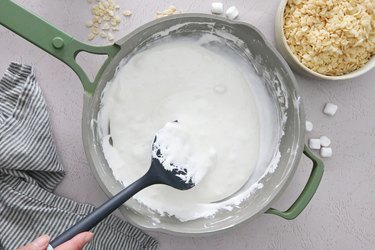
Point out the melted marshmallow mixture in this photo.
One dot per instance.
(208, 92)
(180, 150)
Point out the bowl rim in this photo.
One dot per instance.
(279, 32)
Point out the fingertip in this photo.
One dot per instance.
(77, 242)
(41, 242)
(88, 236)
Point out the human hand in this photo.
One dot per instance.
(76, 243)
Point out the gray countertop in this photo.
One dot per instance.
(342, 213)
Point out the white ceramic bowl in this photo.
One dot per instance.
(293, 61)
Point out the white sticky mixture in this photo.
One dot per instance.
(210, 89)
(177, 148)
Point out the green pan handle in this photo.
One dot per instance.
(53, 41)
(307, 193)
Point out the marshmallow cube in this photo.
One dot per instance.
(326, 152)
(325, 141)
(217, 8)
(314, 143)
(309, 126)
(232, 13)
(330, 109)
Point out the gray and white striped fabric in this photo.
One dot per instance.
(30, 170)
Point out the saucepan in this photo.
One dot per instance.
(66, 48)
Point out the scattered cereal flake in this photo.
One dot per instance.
(105, 26)
(91, 36)
(171, 10)
(95, 30)
(111, 13)
(106, 12)
(89, 1)
(168, 12)
(110, 37)
(89, 24)
(127, 13)
(117, 19)
(95, 19)
(103, 34)
(113, 22)
(105, 4)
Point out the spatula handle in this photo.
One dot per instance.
(104, 210)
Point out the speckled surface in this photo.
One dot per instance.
(340, 216)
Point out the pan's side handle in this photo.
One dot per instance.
(53, 41)
(307, 193)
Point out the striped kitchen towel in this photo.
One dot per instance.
(30, 170)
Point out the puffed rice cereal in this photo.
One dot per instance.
(171, 10)
(331, 37)
(105, 18)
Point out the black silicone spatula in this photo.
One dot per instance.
(157, 174)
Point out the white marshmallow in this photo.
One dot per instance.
(325, 141)
(330, 109)
(217, 8)
(314, 143)
(232, 13)
(326, 152)
(309, 126)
